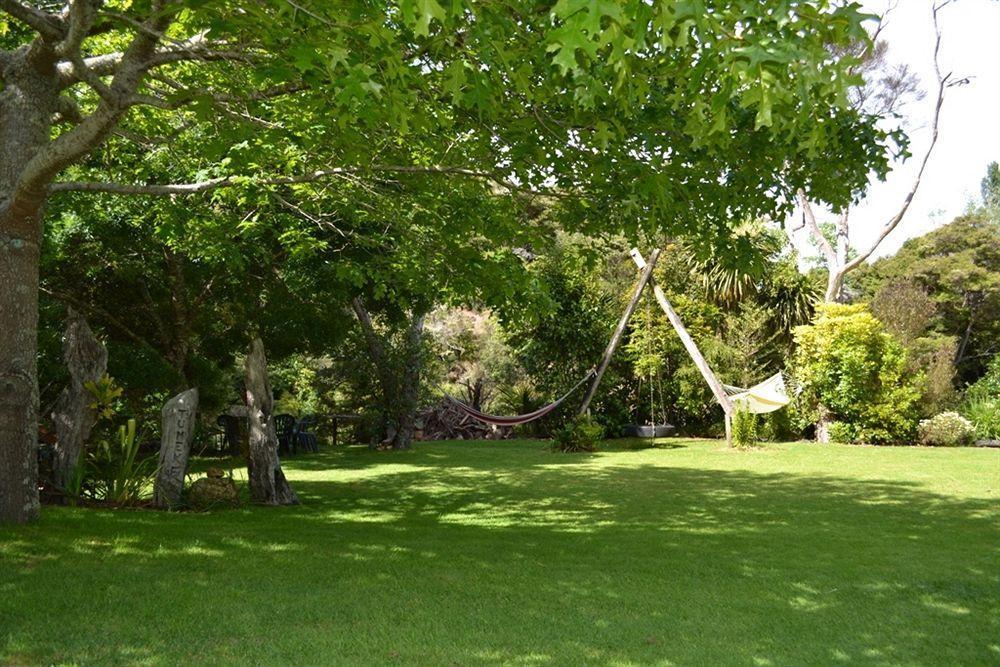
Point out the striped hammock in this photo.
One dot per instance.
(516, 420)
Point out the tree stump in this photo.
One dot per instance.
(268, 485)
(87, 361)
(175, 446)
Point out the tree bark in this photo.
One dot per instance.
(400, 391)
(19, 247)
(28, 100)
(268, 485)
(823, 424)
(87, 361)
(409, 396)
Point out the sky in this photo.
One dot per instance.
(969, 136)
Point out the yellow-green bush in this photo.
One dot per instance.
(847, 364)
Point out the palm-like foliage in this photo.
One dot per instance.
(735, 264)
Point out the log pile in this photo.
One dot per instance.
(444, 421)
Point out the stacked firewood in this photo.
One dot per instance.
(445, 421)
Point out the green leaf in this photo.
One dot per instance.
(427, 10)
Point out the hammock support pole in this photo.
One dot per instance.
(645, 277)
(692, 349)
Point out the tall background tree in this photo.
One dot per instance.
(883, 91)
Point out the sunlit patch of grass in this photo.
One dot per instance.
(505, 553)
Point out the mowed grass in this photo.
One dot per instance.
(466, 553)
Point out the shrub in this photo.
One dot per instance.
(849, 368)
(948, 429)
(119, 474)
(841, 432)
(580, 434)
(778, 426)
(982, 402)
(744, 428)
(984, 414)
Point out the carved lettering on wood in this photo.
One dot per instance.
(175, 446)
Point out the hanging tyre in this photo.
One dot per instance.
(649, 430)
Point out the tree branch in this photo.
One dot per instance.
(106, 316)
(78, 18)
(67, 111)
(192, 49)
(229, 181)
(815, 231)
(48, 26)
(944, 82)
(91, 131)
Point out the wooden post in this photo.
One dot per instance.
(175, 448)
(692, 349)
(616, 337)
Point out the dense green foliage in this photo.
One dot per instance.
(982, 402)
(958, 267)
(578, 434)
(684, 553)
(852, 373)
(744, 429)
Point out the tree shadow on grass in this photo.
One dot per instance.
(448, 558)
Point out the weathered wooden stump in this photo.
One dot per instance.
(87, 361)
(175, 446)
(268, 485)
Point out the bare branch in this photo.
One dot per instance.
(48, 26)
(944, 82)
(186, 93)
(78, 18)
(814, 230)
(298, 210)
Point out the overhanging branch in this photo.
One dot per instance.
(48, 26)
(210, 184)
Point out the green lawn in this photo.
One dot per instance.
(503, 553)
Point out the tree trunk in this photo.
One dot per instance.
(409, 395)
(87, 361)
(28, 100)
(268, 485)
(834, 285)
(960, 351)
(823, 424)
(19, 247)
(400, 391)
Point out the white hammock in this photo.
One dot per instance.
(766, 396)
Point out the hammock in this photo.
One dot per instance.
(766, 396)
(516, 420)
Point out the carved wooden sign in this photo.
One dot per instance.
(175, 446)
